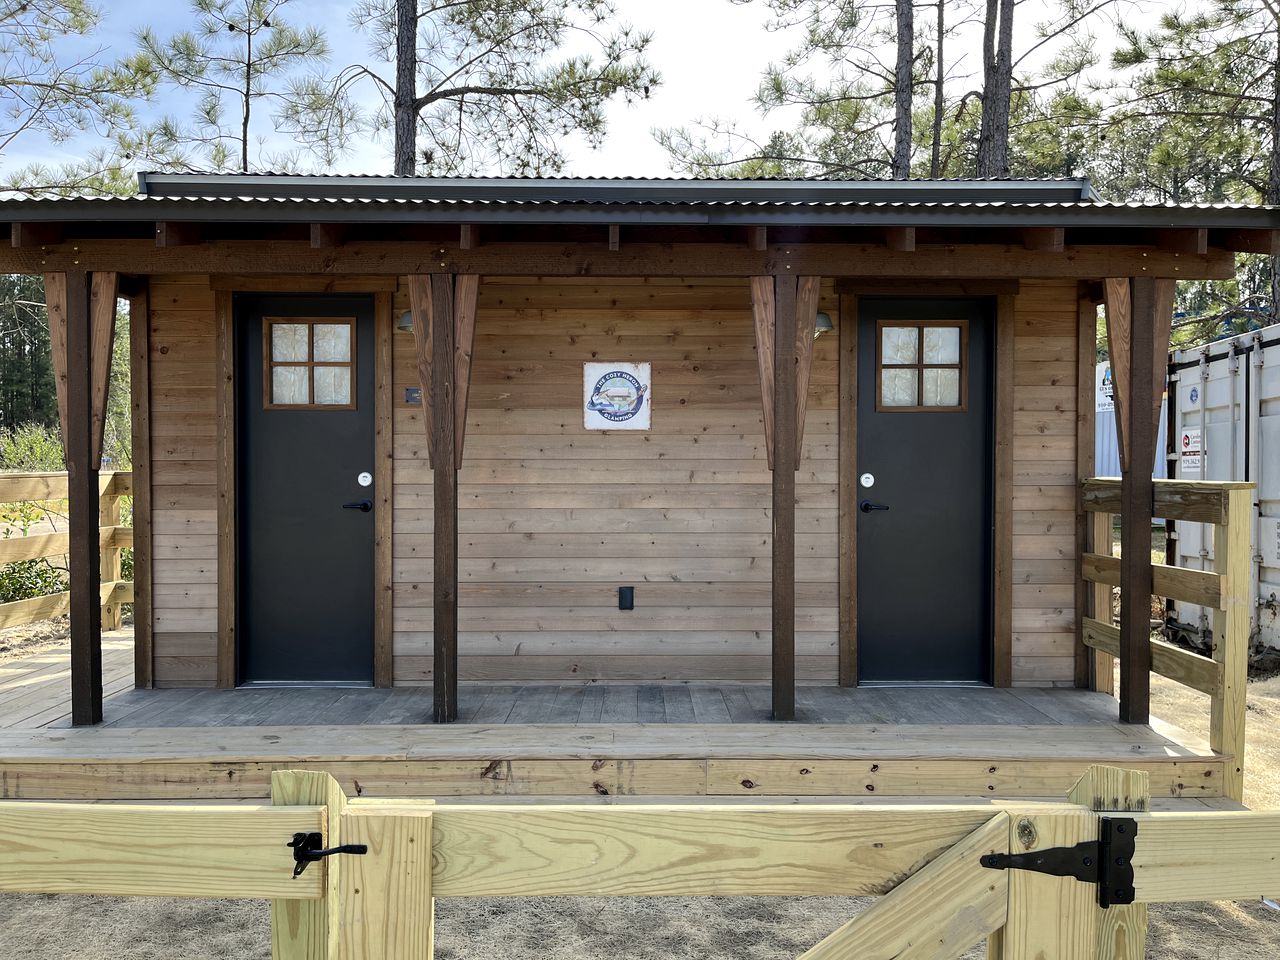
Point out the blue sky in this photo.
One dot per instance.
(710, 53)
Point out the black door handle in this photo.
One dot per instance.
(364, 506)
(866, 506)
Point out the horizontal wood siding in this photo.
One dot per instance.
(184, 494)
(1044, 479)
(554, 518)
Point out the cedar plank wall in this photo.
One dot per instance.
(184, 497)
(1044, 479)
(548, 532)
(553, 518)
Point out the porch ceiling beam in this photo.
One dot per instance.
(1045, 239)
(468, 236)
(1265, 242)
(615, 237)
(901, 239)
(1193, 240)
(326, 236)
(758, 239)
(35, 234)
(172, 233)
(942, 261)
(102, 316)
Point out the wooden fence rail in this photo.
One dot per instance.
(941, 894)
(113, 538)
(1228, 506)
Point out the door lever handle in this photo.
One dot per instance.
(866, 506)
(364, 506)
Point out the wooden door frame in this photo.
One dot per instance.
(383, 451)
(1003, 294)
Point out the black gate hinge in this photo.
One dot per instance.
(1106, 862)
(307, 849)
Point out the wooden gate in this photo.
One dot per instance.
(931, 865)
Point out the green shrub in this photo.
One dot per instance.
(32, 448)
(25, 579)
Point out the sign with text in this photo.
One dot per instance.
(616, 396)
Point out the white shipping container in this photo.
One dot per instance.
(1227, 427)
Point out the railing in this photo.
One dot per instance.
(1228, 507)
(948, 874)
(52, 488)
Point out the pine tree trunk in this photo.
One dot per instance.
(902, 91)
(997, 86)
(935, 161)
(406, 126)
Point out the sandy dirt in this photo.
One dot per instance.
(104, 928)
(33, 639)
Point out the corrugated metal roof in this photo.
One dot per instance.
(264, 198)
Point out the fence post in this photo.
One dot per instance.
(1121, 930)
(385, 907)
(1232, 555)
(1100, 542)
(1050, 918)
(308, 929)
(109, 563)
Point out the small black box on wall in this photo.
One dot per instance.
(626, 598)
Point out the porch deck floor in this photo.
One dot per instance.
(583, 739)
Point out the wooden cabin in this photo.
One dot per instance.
(756, 436)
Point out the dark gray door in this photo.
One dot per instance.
(304, 436)
(925, 521)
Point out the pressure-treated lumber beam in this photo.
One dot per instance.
(165, 850)
(937, 913)
(1121, 930)
(444, 483)
(1191, 240)
(757, 238)
(1265, 242)
(306, 927)
(102, 317)
(55, 298)
(468, 236)
(83, 559)
(628, 850)
(1232, 559)
(1207, 855)
(785, 380)
(386, 910)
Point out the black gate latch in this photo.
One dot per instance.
(306, 849)
(1106, 862)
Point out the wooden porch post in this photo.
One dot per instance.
(82, 494)
(445, 488)
(1139, 314)
(784, 499)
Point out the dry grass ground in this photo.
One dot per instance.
(103, 928)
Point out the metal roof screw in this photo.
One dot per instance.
(76, 262)
(76, 249)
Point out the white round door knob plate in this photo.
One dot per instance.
(365, 479)
(867, 480)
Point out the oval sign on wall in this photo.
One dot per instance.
(616, 396)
